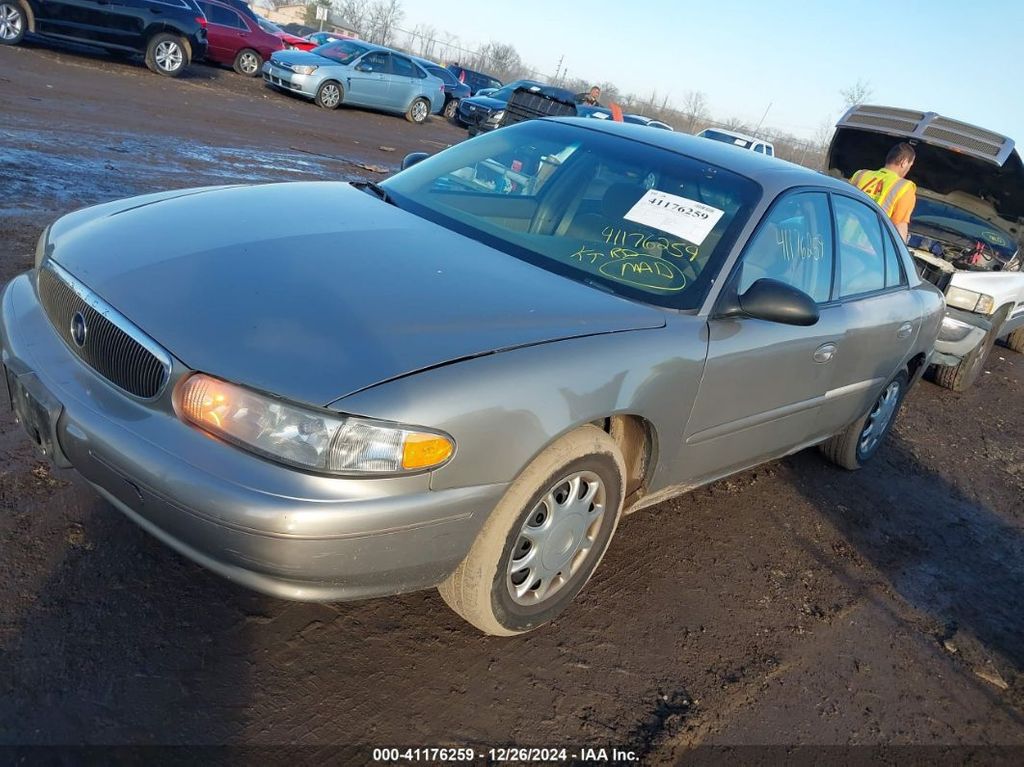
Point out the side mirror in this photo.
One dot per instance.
(414, 157)
(775, 301)
(364, 67)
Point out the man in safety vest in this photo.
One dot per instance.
(889, 187)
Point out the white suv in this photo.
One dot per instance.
(741, 140)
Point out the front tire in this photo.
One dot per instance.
(962, 377)
(248, 62)
(857, 443)
(1016, 340)
(12, 23)
(418, 111)
(330, 94)
(544, 539)
(166, 55)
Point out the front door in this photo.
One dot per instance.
(765, 383)
(367, 81)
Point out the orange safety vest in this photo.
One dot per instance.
(883, 186)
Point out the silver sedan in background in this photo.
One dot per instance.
(357, 74)
(462, 377)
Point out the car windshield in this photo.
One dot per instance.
(268, 26)
(341, 51)
(443, 74)
(941, 215)
(620, 215)
(726, 138)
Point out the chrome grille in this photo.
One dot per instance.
(112, 346)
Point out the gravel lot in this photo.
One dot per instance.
(792, 604)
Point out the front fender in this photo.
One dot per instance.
(503, 409)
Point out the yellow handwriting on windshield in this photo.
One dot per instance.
(645, 271)
(649, 242)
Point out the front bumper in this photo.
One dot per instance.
(278, 77)
(961, 332)
(282, 532)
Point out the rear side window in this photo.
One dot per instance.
(861, 252)
(793, 245)
(404, 68)
(894, 276)
(218, 14)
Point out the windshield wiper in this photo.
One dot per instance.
(372, 187)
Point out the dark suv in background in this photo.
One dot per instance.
(169, 33)
(476, 81)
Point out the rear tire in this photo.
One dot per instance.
(1016, 340)
(450, 109)
(13, 23)
(330, 94)
(248, 62)
(544, 539)
(418, 111)
(166, 55)
(855, 445)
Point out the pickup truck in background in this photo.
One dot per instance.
(966, 229)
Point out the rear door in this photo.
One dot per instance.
(765, 383)
(881, 314)
(404, 83)
(226, 32)
(368, 80)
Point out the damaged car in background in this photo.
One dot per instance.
(461, 377)
(965, 232)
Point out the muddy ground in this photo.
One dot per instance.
(793, 604)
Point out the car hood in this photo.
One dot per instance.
(296, 58)
(943, 171)
(485, 101)
(313, 291)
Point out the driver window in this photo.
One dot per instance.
(794, 246)
(377, 60)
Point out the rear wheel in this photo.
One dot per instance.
(418, 111)
(12, 24)
(544, 539)
(166, 54)
(248, 62)
(450, 109)
(329, 94)
(858, 442)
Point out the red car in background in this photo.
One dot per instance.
(289, 40)
(236, 40)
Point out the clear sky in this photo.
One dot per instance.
(961, 58)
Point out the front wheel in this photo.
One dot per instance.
(544, 539)
(12, 23)
(329, 94)
(166, 55)
(962, 376)
(418, 111)
(248, 62)
(1016, 340)
(857, 443)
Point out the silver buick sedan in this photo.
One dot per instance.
(462, 377)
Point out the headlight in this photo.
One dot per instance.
(496, 117)
(316, 440)
(41, 244)
(305, 69)
(970, 300)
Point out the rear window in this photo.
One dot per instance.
(625, 217)
(726, 138)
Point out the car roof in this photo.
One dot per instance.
(770, 172)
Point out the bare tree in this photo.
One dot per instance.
(502, 60)
(355, 13)
(382, 18)
(857, 93)
(694, 110)
(735, 123)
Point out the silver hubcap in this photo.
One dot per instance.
(169, 56)
(248, 63)
(880, 417)
(556, 538)
(419, 111)
(10, 22)
(330, 95)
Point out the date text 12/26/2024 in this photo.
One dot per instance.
(515, 754)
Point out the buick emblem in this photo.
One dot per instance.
(79, 329)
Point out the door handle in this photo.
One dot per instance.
(905, 330)
(825, 352)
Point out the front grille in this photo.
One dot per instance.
(112, 346)
(962, 141)
(526, 105)
(933, 274)
(885, 123)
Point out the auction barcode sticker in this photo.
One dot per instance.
(689, 219)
